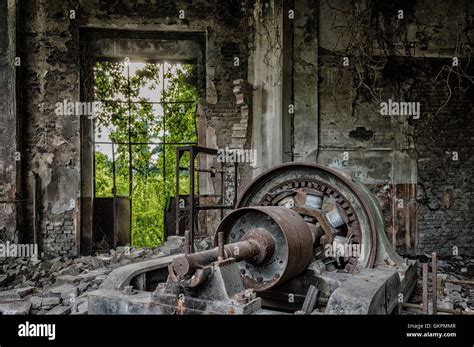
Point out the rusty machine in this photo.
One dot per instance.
(302, 239)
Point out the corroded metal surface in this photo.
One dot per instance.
(283, 223)
(352, 212)
(271, 245)
(293, 249)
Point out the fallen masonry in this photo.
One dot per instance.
(15, 307)
(451, 296)
(61, 285)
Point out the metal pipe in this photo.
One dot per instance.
(177, 214)
(192, 202)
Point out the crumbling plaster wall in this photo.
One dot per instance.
(407, 162)
(52, 70)
(284, 74)
(398, 158)
(9, 164)
(336, 118)
(266, 77)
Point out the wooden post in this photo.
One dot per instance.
(425, 288)
(434, 282)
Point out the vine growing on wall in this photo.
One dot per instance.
(455, 73)
(266, 15)
(373, 35)
(369, 33)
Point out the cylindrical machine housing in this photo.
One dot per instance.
(292, 238)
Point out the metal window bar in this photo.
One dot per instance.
(194, 206)
(131, 143)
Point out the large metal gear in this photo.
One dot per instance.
(341, 209)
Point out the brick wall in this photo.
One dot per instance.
(52, 71)
(400, 157)
(8, 121)
(437, 212)
(445, 185)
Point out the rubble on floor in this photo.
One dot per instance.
(451, 295)
(461, 296)
(61, 285)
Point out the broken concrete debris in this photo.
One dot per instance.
(60, 286)
(15, 307)
(451, 295)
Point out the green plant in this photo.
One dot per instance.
(143, 138)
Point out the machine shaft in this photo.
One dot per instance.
(256, 247)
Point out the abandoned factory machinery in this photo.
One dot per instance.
(269, 244)
(303, 238)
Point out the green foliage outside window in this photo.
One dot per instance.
(126, 115)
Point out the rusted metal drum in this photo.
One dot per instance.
(292, 237)
(347, 205)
